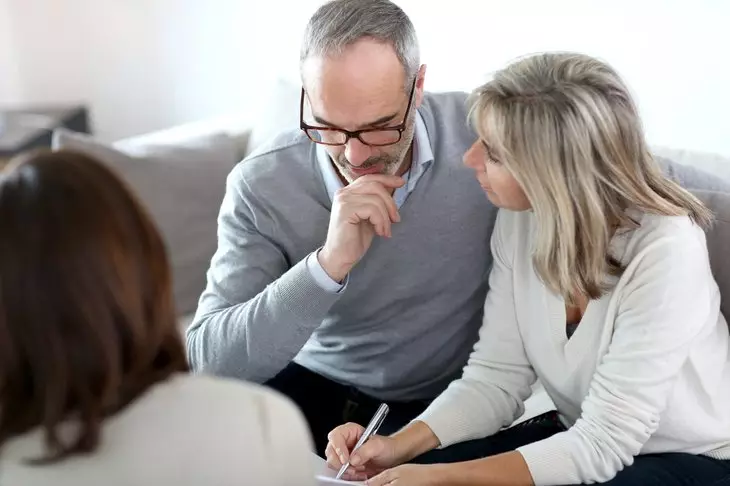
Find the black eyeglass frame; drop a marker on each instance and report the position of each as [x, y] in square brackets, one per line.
[400, 128]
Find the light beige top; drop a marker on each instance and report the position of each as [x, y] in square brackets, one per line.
[191, 430]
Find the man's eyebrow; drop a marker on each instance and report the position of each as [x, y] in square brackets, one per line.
[373, 124]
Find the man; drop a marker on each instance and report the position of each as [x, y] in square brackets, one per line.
[353, 254]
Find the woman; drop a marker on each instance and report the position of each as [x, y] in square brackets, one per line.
[601, 289]
[93, 380]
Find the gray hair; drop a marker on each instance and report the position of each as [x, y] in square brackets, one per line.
[338, 24]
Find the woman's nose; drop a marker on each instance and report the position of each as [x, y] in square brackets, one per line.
[472, 158]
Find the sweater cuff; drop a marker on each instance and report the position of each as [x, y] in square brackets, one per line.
[321, 276]
[549, 460]
[445, 430]
[298, 291]
[450, 426]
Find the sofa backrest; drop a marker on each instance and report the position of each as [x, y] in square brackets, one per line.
[718, 242]
[714, 190]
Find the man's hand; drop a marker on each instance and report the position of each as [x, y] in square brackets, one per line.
[359, 212]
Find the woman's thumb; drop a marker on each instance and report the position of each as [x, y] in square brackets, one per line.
[368, 451]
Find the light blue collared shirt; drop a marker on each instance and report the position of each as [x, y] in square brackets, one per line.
[422, 160]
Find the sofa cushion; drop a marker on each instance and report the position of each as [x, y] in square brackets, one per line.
[692, 177]
[718, 242]
[715, 164]
[182, 187]
[714, 191]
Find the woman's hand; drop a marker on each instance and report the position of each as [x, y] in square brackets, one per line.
[409, 475]
[374, 456]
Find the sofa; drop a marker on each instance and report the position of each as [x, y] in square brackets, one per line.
[180, 174]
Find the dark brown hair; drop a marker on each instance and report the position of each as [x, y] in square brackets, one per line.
[87, 319]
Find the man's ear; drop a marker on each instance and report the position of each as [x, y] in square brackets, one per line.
[420, 80]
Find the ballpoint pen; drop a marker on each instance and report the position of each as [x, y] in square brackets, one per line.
[370, 430]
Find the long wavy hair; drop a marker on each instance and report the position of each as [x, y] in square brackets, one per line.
[566, 127]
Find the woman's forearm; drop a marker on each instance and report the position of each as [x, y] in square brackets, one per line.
[508, 469]
[414, 440]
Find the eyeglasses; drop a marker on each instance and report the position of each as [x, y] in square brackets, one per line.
[375, 137]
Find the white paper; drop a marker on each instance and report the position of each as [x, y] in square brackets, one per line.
[326, 476]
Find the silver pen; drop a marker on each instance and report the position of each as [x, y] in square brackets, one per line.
[370, 430]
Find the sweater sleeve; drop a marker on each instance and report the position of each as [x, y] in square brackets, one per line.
[668, 297]
[497, 377]
[257, 311]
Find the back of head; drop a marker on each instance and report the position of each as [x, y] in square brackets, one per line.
[339, 24]
[87, 321]
[567, 129]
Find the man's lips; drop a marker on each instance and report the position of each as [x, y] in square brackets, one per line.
[373, 169]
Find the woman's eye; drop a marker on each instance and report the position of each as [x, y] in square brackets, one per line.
[488, 154]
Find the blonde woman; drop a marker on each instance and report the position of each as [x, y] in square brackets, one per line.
[601, 289]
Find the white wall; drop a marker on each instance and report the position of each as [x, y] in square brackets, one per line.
[148, 64]
[673, 54]
[9, 74]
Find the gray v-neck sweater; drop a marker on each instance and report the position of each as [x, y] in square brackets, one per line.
[408, 318]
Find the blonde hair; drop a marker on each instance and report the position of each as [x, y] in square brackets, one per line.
[565, 126]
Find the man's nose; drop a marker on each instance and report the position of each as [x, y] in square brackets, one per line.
[356, 152]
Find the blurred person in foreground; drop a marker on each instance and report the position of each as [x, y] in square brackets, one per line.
[94, 384]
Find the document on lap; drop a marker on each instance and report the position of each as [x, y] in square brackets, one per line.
[326, 476]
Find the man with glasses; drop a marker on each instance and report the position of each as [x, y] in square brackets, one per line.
[353, 254]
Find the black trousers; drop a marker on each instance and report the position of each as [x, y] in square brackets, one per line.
[327, 404]
[673, 469]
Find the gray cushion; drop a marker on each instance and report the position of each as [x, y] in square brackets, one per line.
[715, 193]
[182, 186]
[718, 242]
[693, 178]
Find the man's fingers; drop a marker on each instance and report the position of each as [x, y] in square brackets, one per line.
[380, 190]
[387, 180]
[370, 208]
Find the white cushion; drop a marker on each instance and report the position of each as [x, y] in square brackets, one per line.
[279, 112]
